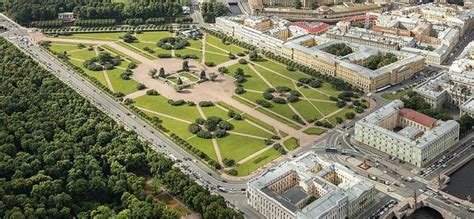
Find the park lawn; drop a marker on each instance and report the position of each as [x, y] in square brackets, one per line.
[109, 36]
[119, 84]
[123, 64]
[253, 96]
[250, 118]
[137, 50]
[211, 48]
[243, 101]
[218, 42]
[280, 68]
[239, 147]
[244, 127]
[153, 36]
[121, 54]
[312, 94]
[307, 111]
[161, 105]
[175, 126]
[325, 107]
[390, 95]
[279, 118]
[83, 54]
[282, 109]
[182, 52]
[204, 145]
[173, 78]
[341, 114]
[253, 81]
[197, 44]
[274, 79]
[216, 58]
[327, 88]
[314, 131]
[257, 162]
[99, 75]
[191, 77]
[215, 111]
[63, 47]
[291, 144]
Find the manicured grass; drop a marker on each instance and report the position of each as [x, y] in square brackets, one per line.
[216, 58]
[341, 114]
[325, 107]
[218, 42]
[307, 111]
[253, 81]
[397, 95]
[291, 144]
[191, 77]
[312, 94]
[278, 67]
[205, 145]
[215, 111]
[63, 47]
[274, 79]
[327, 88]
[197, 44]
[177, 127]
[160, 104]
[137, 50]
[244, 127]
[314, 131]
[121, 54]
[211, 48]
[278, 118]
[83, 54]
[153, 36]
[239, 147]
[245, 102]
[183, 52]
[119, 84]
[109, 36]
[173, 78]
[257, 162]
[99, 75]
[252, 96]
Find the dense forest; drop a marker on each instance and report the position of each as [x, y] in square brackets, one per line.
[26, 11]
[60, 157]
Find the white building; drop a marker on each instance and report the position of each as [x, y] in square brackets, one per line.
[66, 16]
[310, 188]
[406, 134]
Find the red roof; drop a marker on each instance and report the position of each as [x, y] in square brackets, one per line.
[312, 29]
[418, 117]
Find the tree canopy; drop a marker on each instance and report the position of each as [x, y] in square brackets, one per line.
[62, 157]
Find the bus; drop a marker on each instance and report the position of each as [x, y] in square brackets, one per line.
[331, 150]
[383, 88]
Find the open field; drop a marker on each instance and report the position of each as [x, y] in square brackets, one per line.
[257, 162]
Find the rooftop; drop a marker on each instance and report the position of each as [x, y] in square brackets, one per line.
[418, 117]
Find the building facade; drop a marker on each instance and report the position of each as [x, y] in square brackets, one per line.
[308, 187]
[406, 134]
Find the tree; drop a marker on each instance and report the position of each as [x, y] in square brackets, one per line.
[140, 86]
[202, 76]
[212, 76]
[152, 72]
[180, 82]
[297, 4]
[185, 65]
[128, 38]
[253, 55]
[162, 73]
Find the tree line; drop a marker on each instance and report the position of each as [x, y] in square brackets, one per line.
[62, 157]
[26, 11]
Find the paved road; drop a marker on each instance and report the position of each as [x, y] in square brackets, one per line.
[469, 37]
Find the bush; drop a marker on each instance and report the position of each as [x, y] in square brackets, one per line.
[350, 115]
[318, 123]
[176, 103]
[341, 104]
[239, 90]
[212, 122]
[292, 98]
[315, 84]
[327, 124]
[295, 93]
[289, 68]
[194, 128]
[267, 95]
[230, 114]
[283, 89]
[141, 86]
[264, 103]
[270, 90]
[240, 79]
[228, 162]
[222, 69]
[204, 134]
[333, 98]
[225, 125]
[220, 133]
[243, 61]
[339, 120]
[238, 117]
[232, 172]
[164, 56]
[132, 65]
[210, 64]
[152, 92]
[239, 71]
[240, 54]
[200, 121]
[279, 100]
[190, 103]
[206, 103]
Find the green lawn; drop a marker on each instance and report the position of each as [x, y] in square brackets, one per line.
[257, 162]
[252, 96]
[175, 126]
[63, 47]
[99, 75]
[328, 89]
[325, 107]
[253, 81]
[137, 50]
[291, 144]
[312, 94]
[341, 114]
[274, 79]
[83, 54]
[244, 127]
[215, 111]
[249, 118]
[295, 75]
[281, 119]
[109, 36]
[216, 58]
[161, 105]
[314, 131]
[205, 145]
[119, 84]
[121, 54]
[307, 111]
[153, 36]
[183, 52]
[218, 42]
[389, 95]
[197, 44]
[239, 147]
[191, 77]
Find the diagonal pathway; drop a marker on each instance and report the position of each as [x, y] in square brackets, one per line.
[297, 113]
[247, 135]
[217, 150]
[164, 115]
[106, 76]
[258, 73]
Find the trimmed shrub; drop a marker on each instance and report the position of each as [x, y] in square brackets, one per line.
[194, 128]
[267, 95]
[279, 100]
